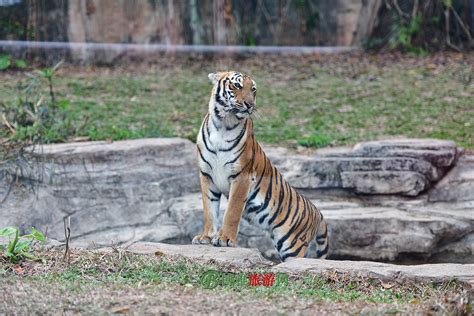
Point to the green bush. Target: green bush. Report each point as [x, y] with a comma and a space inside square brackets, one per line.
[35, 117]
[8, 62]
[19, 247]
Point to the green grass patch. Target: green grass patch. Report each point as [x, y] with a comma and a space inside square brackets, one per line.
[94, 282]
[300, 101]
[162, 272]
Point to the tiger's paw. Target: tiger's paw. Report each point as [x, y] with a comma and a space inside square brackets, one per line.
[201, 240]
[222, 240]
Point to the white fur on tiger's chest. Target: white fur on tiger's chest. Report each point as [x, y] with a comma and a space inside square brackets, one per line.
[221, 172]
[221, 168]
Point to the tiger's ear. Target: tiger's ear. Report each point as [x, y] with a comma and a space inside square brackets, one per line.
[214, 77]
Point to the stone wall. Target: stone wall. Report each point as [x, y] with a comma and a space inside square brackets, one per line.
[398, 200]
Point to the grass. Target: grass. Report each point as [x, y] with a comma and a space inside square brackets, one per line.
[311, 101]
[106, 282]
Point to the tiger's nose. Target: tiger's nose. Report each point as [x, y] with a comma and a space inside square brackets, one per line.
[248, 105]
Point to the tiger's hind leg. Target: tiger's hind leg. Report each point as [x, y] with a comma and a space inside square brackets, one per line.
[210, 204]
[318, 248]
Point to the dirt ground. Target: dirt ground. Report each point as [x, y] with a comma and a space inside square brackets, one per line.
[37, 297]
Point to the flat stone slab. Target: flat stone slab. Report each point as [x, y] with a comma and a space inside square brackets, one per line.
[240, 257]
[425, 272]
[441, 153]
[251, 258]
[395, 233]
[391, 233]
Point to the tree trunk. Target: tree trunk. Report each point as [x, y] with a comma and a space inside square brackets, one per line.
[367, 20]
[195, 23]
[225, 28]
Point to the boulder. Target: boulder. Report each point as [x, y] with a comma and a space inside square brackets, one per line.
[407, 233]
[457, 185]
[395, 234]
[404, 167]
[460, 251]
[111, 191]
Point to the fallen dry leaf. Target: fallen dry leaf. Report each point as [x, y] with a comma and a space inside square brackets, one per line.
[120, 309]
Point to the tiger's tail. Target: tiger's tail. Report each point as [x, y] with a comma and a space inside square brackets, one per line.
[319, 246]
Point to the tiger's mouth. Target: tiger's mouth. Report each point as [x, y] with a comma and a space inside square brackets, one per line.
[243, 110]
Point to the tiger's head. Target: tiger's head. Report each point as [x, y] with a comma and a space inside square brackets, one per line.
[233, 93]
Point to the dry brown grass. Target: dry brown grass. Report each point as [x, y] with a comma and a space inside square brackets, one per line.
[119, 282]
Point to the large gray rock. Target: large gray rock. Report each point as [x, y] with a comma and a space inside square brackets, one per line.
[408, 232]
[385, 182]
[117, 191]
[460, 251]
[405, 167]
[457, 185]
[423, 272]
[390, 233]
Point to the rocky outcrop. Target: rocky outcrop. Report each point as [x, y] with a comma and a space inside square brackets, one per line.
[401, 233]
[406, 232]
[147, 190]
[406, 167]
[113, 191]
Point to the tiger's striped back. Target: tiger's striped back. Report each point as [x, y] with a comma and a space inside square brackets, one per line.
[293, 221]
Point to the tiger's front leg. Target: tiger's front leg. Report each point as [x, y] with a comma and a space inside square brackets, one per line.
[227, 235]
[210, 202]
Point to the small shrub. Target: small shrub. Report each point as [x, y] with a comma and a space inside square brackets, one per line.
[35, 117]
[19, 247]
[8, 62]
[422, 26]
[405, 34]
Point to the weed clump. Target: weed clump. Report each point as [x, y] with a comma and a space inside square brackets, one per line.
[36, 117]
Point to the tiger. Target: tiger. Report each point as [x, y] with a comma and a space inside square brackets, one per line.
[232, 163]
